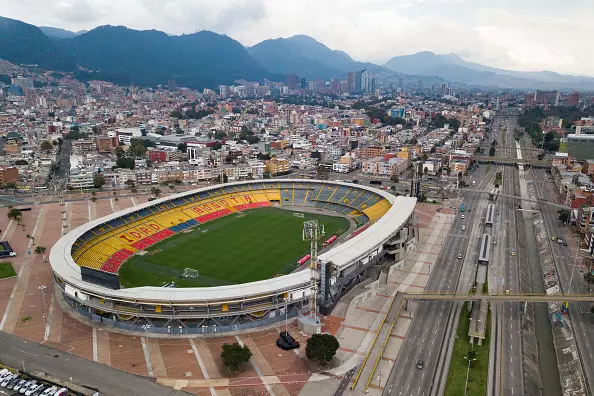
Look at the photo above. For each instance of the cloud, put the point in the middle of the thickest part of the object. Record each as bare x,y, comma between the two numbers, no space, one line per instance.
553,36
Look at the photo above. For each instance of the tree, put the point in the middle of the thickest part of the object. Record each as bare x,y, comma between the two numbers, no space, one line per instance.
156,191
492,152
425,171
217,146
11,186
41,250
15,214
394,178
220,135
32,238
234,355
120,152
130,183
321,347
98,181
448,171
125,163
46,146
183,147
563,215
322,172
263,157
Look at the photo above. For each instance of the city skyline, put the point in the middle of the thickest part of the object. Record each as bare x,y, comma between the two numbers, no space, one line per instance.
531,36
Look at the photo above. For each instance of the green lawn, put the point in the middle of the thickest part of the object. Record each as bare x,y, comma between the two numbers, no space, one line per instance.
255,245
477,379
6,270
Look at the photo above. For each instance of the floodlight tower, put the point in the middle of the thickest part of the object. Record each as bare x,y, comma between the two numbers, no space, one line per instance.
313,231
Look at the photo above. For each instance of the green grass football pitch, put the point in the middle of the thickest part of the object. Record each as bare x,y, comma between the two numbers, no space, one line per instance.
250,246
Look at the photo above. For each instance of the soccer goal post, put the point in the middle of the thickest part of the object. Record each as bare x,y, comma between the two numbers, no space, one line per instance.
190,273
298,215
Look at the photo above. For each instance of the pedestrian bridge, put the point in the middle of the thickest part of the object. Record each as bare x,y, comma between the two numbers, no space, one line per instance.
502,297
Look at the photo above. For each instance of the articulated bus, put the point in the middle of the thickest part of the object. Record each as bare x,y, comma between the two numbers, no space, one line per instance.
490,215
485,249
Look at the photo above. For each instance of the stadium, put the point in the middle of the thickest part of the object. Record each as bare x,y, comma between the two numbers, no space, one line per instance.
229,257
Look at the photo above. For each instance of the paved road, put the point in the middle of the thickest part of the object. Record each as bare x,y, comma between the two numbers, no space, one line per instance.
512,382
564,257
430,335
14,352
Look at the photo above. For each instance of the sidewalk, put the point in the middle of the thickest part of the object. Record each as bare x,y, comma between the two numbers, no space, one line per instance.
356,330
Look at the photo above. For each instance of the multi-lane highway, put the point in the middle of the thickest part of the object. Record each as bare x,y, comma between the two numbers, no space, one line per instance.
431,335
506,272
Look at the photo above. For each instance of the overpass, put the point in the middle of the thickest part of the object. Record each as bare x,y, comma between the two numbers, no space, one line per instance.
499,297
511,161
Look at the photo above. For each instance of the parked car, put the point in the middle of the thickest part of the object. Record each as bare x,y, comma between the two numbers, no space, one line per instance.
29,385
38,387
39,391
12,382
61,392
8,379
19,385
420,364
50,391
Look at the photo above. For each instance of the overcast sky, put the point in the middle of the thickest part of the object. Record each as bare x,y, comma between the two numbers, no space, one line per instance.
515,34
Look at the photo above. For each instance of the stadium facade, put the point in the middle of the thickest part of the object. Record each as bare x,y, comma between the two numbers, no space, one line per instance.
85,262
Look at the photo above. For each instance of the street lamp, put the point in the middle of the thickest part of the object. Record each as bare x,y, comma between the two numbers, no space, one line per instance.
467,373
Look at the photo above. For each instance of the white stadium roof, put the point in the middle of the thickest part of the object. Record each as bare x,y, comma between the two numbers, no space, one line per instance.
342,255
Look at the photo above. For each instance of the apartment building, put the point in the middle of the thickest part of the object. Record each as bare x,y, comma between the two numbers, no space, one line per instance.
277,165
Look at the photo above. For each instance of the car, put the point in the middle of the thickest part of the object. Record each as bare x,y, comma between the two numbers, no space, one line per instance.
12,254
12,382
61,392
7,380
507,292
39,391
29,385
552,238
38,387
420,364
463,228
459,256
564,243
513,253
50,391
462,217
19,385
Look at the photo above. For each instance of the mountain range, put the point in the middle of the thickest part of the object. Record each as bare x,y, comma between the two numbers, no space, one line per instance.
451,67
206,59
306,57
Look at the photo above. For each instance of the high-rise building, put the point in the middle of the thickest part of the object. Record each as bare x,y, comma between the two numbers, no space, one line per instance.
400,82
334,85
364,81
372,84
292,81
351,82
358,81
546,98
573,100
303,83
